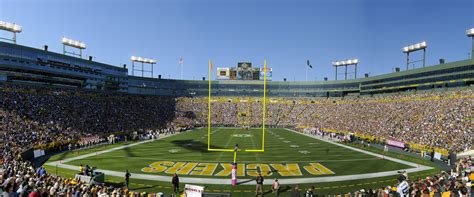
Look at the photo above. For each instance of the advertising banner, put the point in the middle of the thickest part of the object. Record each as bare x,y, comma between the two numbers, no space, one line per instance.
38,153
395,143
269,74
193,190
437,156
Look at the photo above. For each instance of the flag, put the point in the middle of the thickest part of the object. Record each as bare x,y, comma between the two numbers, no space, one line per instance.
180,61
309,65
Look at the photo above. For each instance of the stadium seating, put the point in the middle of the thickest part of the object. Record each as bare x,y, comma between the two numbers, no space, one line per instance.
428,120
55,119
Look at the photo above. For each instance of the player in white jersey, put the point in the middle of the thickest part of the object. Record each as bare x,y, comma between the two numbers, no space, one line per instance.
403,189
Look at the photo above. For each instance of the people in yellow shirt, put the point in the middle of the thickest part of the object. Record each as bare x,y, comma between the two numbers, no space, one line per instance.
81,169
446,194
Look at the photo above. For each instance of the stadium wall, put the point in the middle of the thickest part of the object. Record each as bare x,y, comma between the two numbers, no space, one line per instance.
22,64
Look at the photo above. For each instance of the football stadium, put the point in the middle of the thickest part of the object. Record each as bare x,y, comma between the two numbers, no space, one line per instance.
72,125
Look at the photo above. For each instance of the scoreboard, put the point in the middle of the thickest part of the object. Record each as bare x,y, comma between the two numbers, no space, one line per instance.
223,73
243,71
269,74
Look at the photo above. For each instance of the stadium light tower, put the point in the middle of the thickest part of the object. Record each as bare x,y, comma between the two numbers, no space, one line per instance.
346,63
143,61
413,48
10,27
74,44
470,33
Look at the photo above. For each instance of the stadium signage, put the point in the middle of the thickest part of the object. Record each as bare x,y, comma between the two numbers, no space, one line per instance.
193,190
225,169
395,143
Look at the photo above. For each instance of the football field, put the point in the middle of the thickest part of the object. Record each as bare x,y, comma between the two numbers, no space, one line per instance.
291,157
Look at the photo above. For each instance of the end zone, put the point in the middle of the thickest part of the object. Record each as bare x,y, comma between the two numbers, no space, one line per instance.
264,111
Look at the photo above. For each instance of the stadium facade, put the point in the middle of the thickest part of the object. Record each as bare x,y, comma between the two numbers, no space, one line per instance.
25,65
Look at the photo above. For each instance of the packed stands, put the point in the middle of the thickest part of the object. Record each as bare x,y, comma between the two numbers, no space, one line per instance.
52,119
430,119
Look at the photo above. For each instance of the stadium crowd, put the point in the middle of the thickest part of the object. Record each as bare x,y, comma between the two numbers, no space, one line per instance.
22,179
434,119
57,120
60,119
455,183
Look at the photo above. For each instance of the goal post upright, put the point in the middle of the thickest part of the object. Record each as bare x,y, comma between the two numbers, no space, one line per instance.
264,109
264,102
209,115
209,109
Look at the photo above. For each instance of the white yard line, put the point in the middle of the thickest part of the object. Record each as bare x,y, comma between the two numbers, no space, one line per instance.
222,181
243,161
226,145
363,151
257,154
110,150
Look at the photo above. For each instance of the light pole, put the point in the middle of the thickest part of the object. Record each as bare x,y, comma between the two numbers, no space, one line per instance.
470,33
10,27
181,62
143,61
346,63
74,44
413,48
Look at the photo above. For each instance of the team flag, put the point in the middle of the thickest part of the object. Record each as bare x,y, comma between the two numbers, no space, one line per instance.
309,65
180,61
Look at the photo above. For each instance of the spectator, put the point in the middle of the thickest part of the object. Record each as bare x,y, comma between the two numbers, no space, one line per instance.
259,184
296,191
309,192
276,187
81,169
127,178
175,183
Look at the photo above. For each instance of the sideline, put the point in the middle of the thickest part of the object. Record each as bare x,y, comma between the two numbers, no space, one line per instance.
112,149
225,181
362,151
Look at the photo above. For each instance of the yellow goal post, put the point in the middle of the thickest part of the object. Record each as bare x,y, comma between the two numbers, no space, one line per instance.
264,111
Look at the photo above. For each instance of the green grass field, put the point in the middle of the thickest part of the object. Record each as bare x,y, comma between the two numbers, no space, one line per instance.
288,155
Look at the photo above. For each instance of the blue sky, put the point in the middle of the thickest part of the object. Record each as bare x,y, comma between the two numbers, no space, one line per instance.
285,32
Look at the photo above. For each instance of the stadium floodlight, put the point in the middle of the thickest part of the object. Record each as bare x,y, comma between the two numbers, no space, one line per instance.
143,61
346,63
470,33
74,44
405,49
415,47
10,27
